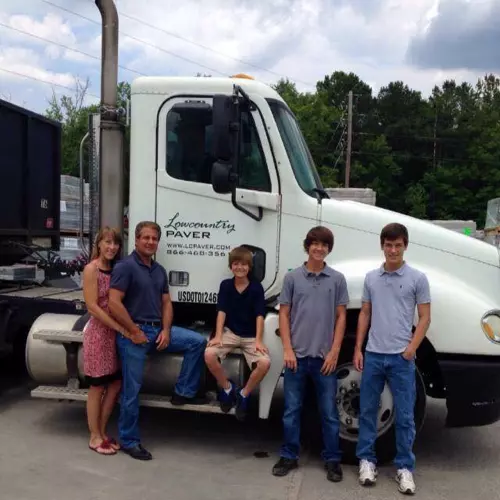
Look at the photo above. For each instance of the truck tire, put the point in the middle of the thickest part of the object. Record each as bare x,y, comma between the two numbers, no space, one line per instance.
348,403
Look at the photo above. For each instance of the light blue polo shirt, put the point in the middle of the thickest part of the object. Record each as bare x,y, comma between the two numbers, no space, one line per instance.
393,297
313,299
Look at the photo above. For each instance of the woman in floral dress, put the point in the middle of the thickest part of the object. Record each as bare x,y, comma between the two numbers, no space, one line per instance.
101,366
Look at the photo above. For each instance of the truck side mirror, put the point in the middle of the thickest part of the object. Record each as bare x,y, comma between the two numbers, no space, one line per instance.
225,124
222,177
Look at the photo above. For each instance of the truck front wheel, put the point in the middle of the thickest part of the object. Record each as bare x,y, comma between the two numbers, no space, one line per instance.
347,399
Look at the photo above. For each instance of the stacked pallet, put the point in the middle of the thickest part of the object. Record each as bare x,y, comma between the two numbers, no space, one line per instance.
361,195
70,205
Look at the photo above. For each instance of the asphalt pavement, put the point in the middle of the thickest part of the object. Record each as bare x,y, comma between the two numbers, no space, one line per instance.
44,456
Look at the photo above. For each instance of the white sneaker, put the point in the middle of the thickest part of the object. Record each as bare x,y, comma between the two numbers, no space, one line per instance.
367,473
405,479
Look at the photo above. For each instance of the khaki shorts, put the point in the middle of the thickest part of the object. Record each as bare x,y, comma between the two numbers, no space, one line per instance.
230,342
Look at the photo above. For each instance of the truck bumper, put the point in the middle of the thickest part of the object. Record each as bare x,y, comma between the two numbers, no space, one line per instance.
472,390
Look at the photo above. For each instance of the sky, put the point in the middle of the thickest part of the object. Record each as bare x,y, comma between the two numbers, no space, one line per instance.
45,49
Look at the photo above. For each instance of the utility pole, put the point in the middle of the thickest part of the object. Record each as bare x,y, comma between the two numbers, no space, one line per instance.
112,135
349,140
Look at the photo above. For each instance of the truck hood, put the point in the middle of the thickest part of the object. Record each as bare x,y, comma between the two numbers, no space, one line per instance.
352,215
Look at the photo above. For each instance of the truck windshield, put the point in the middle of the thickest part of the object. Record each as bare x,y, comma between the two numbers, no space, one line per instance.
296,148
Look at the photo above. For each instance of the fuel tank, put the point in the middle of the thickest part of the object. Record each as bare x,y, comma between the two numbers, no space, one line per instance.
46,360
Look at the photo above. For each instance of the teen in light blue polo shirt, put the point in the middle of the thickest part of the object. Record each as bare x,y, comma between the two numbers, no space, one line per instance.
390,296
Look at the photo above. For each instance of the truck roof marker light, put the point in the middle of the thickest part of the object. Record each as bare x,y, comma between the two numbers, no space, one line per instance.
243,76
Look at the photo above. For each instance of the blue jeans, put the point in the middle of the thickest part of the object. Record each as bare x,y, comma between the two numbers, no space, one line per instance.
133,358
326,391
400,375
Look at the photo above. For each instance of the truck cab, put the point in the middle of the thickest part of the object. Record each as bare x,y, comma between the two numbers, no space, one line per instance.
221,162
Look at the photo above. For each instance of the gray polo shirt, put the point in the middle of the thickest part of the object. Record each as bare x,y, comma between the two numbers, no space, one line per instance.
393,297
313,298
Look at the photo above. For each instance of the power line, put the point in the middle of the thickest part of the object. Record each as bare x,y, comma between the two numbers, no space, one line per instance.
23,75
139,40
64,46
180,37
206,47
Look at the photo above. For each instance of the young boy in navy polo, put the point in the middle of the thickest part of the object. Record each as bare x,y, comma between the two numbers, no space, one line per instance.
240,324
312,321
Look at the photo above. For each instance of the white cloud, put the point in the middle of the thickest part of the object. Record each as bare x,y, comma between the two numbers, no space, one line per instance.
19,61
301,39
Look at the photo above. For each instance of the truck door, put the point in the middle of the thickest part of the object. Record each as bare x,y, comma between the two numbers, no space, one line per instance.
200,226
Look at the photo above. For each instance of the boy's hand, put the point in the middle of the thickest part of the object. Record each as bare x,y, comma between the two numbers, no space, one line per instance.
216,341
409,353
330,362
358,360
260,347
290,360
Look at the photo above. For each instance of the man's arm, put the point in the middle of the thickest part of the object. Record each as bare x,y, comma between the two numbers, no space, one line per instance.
286,296
341,301
362,328
167,318
167,315
260,313
284,324
120,313
120,282
423,299
340,324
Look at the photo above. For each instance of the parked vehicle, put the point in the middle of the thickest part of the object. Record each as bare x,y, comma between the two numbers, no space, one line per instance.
212,186
33,279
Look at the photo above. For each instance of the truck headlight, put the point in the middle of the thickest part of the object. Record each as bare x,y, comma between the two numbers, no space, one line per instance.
490,323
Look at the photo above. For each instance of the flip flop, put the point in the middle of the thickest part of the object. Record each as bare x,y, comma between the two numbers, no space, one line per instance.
103,446
113,443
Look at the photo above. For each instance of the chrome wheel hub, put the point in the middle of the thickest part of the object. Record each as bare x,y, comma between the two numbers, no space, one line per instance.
348,400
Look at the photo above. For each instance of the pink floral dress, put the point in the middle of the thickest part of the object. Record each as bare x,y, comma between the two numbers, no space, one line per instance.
100,357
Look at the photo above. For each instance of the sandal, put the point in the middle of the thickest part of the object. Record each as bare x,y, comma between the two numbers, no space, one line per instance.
113,443
103,449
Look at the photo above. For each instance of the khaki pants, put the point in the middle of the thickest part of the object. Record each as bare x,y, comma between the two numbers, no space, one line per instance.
231,341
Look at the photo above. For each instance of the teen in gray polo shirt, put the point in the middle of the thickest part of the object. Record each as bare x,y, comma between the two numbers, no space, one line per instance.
312,325
391,294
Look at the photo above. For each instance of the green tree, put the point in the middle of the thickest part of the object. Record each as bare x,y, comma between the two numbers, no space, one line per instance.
74,116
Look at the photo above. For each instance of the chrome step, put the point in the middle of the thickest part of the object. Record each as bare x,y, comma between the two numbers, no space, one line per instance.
61,336
150,400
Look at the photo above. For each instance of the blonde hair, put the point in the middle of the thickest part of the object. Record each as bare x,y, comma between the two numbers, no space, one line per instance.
103,233
241,254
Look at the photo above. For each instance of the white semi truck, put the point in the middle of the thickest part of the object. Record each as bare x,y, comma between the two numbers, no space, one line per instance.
221,162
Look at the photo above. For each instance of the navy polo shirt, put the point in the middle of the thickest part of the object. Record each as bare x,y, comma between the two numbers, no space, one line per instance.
143,287
242,309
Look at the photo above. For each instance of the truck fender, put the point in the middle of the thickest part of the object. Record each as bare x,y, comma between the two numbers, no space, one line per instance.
268,385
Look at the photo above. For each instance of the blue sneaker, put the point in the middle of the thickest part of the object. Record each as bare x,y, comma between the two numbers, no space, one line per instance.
241,406
227,400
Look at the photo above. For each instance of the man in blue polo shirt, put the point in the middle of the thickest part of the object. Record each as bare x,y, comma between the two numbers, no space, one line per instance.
139,300
390,296
312,321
